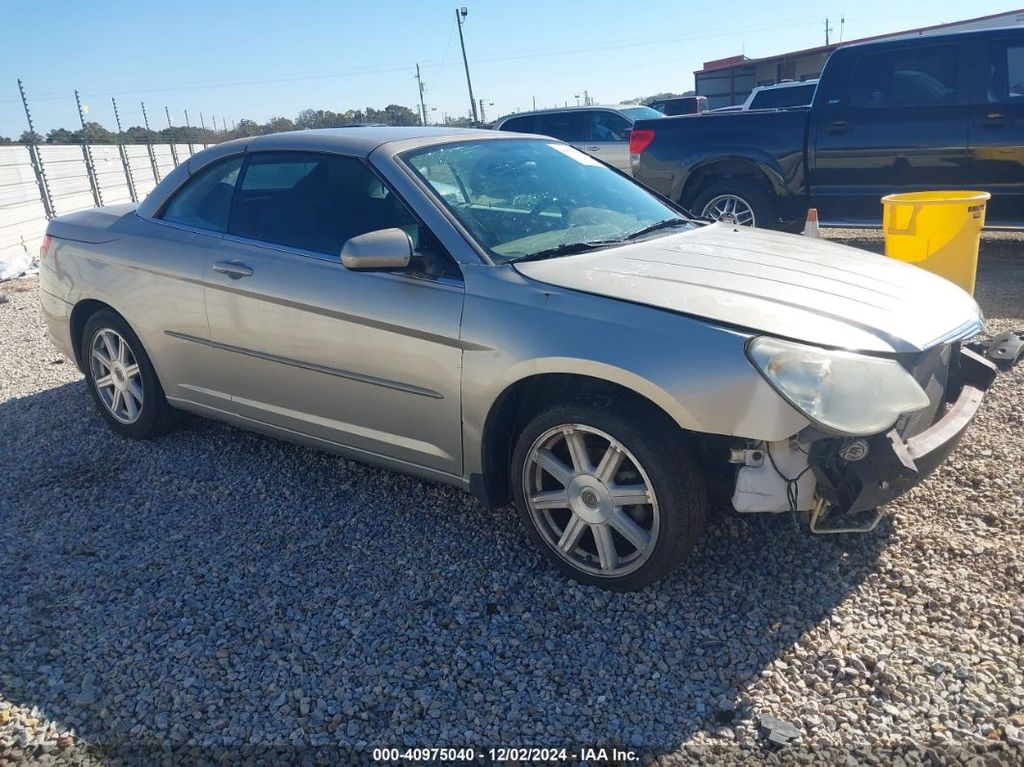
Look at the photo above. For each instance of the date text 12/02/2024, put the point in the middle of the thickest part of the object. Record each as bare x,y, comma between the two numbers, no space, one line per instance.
503,754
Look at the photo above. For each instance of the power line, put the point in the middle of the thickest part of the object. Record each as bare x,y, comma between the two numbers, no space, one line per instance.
509,56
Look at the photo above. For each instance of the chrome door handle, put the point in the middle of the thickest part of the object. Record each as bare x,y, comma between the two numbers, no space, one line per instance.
233,269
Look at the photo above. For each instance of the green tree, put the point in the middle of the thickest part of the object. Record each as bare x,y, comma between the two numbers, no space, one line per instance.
60,136
29,137
278,125
139,135
95,133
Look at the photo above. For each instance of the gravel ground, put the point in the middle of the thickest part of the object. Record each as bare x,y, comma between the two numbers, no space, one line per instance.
220,589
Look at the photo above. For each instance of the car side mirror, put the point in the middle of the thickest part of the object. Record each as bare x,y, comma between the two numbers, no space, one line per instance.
383,249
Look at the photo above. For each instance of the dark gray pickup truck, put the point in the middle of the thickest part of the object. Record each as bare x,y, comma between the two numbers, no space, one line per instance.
911,114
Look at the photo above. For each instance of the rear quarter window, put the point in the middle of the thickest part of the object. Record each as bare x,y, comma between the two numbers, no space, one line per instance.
204,200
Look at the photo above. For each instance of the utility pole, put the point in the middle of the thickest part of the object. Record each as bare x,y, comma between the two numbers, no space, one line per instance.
460,18
423,107
483,119
534,103
842,23
827,30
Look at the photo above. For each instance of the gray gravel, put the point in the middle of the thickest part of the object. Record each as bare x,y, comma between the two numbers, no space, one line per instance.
215,588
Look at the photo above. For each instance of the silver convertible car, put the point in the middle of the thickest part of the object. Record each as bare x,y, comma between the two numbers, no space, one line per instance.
509,315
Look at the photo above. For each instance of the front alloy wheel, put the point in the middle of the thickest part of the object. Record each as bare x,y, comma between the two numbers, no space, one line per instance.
609,492
591,500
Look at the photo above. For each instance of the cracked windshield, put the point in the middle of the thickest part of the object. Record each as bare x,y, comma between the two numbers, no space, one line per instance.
524,200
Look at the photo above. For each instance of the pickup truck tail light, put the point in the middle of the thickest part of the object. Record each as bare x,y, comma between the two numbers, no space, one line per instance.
44,246
639,140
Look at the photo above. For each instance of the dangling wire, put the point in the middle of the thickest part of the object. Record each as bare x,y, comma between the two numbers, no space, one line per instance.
792,484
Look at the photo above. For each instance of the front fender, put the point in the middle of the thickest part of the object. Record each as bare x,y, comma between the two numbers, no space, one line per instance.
695,371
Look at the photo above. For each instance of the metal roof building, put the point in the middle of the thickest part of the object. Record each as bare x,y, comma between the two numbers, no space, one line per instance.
729,81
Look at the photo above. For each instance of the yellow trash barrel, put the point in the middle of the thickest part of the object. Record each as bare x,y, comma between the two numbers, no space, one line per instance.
938,231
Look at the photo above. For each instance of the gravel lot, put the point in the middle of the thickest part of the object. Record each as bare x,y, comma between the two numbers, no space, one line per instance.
215,588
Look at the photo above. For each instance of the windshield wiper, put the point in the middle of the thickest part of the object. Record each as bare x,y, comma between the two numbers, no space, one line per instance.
665,224
581,247
566,249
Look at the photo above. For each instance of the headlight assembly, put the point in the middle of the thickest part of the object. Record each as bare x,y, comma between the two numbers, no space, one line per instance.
844,392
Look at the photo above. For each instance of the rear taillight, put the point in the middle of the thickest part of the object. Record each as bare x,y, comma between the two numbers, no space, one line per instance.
639,140
44,247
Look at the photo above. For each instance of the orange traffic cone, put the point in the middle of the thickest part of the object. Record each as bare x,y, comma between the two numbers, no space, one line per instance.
811,227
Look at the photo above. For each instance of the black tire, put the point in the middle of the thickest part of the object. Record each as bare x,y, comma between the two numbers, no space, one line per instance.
657,444
155,416
758,199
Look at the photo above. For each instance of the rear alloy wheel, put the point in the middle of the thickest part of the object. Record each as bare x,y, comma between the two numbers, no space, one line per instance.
612,499
116,375
121,378
736,201
729,209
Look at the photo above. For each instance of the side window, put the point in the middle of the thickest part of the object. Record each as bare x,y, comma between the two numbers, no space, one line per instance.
781,98
564,126
907,78
519,124
609,126
205,199
315,202
1005,73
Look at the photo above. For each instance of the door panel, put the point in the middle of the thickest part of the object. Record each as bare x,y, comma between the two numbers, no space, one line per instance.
899,126
368,360
996,162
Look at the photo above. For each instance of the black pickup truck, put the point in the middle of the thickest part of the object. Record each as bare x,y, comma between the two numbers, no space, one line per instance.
909,114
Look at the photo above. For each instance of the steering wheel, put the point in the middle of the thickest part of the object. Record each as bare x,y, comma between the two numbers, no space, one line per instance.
547,201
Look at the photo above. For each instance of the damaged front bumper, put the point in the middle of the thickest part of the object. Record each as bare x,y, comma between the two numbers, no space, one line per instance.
843,481
850,489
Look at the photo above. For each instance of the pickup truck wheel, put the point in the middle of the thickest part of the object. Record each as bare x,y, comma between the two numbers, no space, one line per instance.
122,380
611,496
736,201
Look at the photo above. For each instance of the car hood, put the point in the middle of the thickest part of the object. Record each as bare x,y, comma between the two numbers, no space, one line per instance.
781,284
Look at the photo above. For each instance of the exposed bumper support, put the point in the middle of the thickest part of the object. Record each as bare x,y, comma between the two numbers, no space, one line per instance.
853,491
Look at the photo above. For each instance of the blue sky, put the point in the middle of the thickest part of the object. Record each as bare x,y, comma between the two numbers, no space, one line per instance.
264,58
